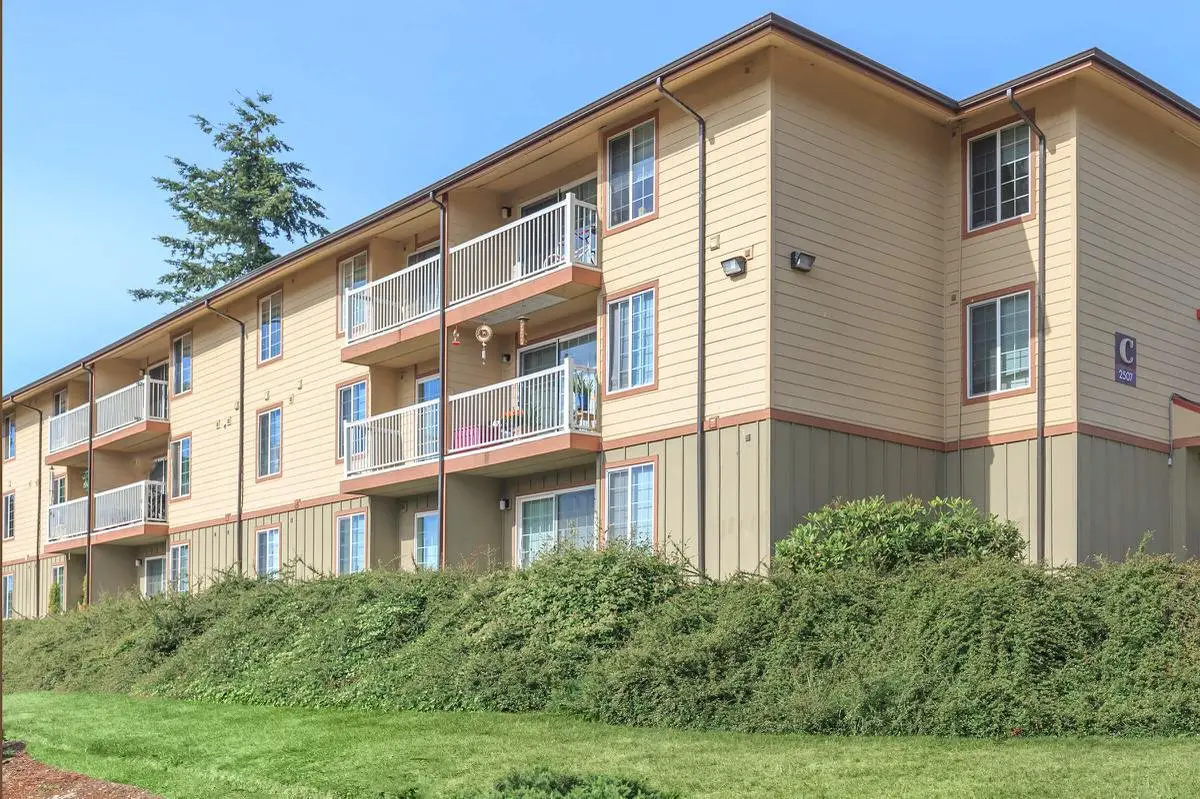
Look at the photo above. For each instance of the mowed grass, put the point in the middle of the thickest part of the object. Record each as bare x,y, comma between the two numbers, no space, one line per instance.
194,750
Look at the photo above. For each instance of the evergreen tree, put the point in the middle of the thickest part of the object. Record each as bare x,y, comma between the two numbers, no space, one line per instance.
233,212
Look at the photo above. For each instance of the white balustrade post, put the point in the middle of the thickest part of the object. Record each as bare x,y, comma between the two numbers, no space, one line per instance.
569,231
568,400
146,398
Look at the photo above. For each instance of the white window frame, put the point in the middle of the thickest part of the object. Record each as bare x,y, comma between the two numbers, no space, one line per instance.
258,428
970,359
968,188
8,516
58,403
58,574
609,205
519,557
175,469
348,518
58,495
423,252
612,342
272,306
346,282
10,437
417,548
181,383
146,575
262,557
339,435
628,468
9,589
179,568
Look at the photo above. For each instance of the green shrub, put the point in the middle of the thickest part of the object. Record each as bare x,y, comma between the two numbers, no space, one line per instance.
54,601
889,535
544,784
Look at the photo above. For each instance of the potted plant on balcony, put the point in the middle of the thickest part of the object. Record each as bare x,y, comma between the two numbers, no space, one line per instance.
583,390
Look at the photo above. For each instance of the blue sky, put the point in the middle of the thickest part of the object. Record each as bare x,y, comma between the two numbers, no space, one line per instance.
381,98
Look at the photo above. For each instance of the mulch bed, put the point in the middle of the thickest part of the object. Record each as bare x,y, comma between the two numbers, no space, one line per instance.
26,778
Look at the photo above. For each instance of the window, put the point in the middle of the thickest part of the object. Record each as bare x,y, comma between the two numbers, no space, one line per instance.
428,535
8,596
352,407
58,576
10,438
352,543
179,568
424,254
181,364
630,516
631,174
58,490
998,171
156,577
267,549
998,345
181,467
270,443
270,327
352,274
631,341
10,514
58,405
563,518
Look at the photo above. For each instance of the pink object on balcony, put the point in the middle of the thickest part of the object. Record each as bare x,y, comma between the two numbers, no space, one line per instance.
469,436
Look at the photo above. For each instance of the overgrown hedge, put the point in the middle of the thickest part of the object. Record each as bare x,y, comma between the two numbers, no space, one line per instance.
980,646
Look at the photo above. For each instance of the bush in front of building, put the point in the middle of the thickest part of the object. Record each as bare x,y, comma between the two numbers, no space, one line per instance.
545,784
884,536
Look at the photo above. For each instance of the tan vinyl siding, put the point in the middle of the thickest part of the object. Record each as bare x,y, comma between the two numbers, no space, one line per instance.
1124,493
858,182
734,103
1006,257
811,467
1139,239
23,476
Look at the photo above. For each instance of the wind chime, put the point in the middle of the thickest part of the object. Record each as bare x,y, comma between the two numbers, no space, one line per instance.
522,339
483,334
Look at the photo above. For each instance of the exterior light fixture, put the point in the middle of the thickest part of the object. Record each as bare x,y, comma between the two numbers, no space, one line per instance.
732,267
803,261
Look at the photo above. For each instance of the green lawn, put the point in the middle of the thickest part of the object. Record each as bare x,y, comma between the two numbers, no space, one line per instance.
193,750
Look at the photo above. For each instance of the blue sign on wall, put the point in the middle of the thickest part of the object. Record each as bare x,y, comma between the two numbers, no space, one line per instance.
1125,359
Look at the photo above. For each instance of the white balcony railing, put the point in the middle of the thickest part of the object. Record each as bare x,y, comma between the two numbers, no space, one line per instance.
393,301
561,399
138,402
70,428
67,520
563,234
391,440
136,503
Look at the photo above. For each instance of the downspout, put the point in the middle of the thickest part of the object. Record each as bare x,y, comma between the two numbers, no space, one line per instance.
37,544
91,492
241,468
443,268
1040,545
701,230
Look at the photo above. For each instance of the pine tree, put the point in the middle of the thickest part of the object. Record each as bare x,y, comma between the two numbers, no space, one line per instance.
233,212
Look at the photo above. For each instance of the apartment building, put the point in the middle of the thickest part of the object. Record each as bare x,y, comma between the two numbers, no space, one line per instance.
855,313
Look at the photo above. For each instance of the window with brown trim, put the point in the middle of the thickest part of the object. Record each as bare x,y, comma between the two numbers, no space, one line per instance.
998,183
631,341
631,170
629,516
270,327
10,438
270,442
181,364
181,467
352,274
998,345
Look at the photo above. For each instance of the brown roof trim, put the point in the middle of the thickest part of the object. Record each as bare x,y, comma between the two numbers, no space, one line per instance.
765,23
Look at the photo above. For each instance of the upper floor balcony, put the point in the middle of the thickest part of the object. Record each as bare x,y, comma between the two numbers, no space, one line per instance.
132,418
538,421
133,511
538,261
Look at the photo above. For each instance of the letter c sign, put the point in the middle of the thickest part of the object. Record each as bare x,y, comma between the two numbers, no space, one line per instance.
1125,359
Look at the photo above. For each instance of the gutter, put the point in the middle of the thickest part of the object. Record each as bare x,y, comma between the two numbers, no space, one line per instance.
241,467
443,269
1040,542
37,544
91,492
701,292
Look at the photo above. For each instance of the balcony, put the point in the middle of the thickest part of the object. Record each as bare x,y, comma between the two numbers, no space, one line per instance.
537,262
531,423
129,419
131,513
